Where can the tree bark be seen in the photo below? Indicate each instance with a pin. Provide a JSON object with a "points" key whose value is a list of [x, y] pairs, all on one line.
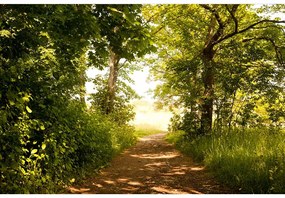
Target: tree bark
{"points": [[112, 80], [208, 96], [208, 78]]}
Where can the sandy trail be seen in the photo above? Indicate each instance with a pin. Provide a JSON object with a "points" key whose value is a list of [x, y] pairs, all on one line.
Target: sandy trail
{"points": [[152, 166]]}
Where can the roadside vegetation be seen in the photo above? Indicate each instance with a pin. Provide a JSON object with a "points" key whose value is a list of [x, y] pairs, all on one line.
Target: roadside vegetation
{"points": [[49, 138], [221, 69], [251, 160]]}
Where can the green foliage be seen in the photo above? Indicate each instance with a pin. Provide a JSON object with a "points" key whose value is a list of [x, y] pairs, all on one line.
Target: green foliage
{"points": [[74, 144], [124, 36], [122, 137], [249, 159], [204, 56], [124, 30], [47, 136], [122, 111]]}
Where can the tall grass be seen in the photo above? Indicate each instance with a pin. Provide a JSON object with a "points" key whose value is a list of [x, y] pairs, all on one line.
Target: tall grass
{"points": [[252, 160]]}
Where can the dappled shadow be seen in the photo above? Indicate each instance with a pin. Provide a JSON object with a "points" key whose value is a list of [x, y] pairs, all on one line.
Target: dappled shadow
{"points": [[151, 167]]}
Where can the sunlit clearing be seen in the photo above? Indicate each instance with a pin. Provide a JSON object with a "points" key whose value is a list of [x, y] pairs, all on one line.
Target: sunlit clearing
{"points": [[147, 117]]}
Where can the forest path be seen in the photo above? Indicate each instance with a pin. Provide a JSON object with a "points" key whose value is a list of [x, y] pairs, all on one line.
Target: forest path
{"points": [[152, 166]]}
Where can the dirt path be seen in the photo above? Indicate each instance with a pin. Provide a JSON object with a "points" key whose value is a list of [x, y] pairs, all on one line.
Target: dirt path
{"points": [[152, 166]]}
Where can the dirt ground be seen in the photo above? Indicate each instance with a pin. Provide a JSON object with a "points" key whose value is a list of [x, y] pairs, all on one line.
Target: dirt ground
{"points": [[152, 166]]}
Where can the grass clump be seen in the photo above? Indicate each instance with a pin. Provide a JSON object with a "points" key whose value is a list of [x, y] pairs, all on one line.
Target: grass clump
{"points": [[251, 159]]}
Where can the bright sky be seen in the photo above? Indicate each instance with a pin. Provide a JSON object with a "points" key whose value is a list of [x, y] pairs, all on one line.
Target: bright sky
{"points": [[146, 115], [141, 85], [91, 73]]}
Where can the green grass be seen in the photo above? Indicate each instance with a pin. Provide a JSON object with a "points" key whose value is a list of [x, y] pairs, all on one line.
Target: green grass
{"points": [[145, 130], [250, 159]]}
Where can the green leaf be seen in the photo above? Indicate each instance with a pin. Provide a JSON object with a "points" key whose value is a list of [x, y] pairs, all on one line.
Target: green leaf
{"points": [[22, 170], [42, 106], [44, 146], [26, 98], [28, 109], [42, 127], [34, 151], [11, 102], [5, 33], [114, 9]]}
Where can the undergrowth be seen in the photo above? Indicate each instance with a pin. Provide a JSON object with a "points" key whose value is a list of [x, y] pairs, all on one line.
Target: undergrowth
{"points": [[48, 158], [252, 160]]}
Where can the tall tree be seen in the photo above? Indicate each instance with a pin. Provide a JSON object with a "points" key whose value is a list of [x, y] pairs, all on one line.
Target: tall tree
{"points": [[217, 34], [126, 37], [200, 33]]}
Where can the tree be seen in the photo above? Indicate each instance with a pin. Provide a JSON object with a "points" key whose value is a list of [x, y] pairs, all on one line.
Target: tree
{"points": [[126, 37], [193, 37]]}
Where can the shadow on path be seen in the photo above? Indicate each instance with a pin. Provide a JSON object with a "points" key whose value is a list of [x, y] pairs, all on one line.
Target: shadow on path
{"points": [[152, 166]]}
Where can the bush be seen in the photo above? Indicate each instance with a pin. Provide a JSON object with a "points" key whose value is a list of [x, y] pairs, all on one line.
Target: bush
{"points": [[122, 137], [250, 159], [44, 157]]}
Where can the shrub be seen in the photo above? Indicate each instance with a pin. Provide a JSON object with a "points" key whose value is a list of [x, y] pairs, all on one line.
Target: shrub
{"points": [[45, 156]]}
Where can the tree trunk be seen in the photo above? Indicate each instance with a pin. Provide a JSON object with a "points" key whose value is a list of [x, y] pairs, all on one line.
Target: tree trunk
{"points": [[208, 78], [112, 80], [208, 96]]}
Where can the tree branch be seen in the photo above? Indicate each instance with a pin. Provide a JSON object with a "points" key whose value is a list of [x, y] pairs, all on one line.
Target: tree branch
{"points": [[217, 16], [211, 41], [246, 29], [123, 64], [232, 13]]}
